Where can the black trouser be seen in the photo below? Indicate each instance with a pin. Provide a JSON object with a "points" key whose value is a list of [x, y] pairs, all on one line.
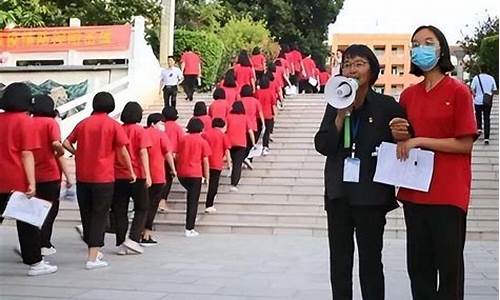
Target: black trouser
{"points": [[258, 76], [49, 191], [483, 111], [169, 178], [321, 89], [170, 95], [435, 239], [193, 188], [367, 223], [294, 78], [256, 135], [267, 132], [305, 86], [94, 200], [213, 186], [189, 84], [155, 191], [124, 190], [238, 155], [28, 235]]}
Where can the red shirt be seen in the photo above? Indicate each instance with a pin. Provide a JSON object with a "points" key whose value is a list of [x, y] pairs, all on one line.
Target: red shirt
{"points": [[258, 62], [323, 78], [446, 111], [289, 59], [192, 149], [219, 143], [267, 100], [16, 136], [46, 166], [160, 146], [174, 133], [309, 67], [219, 109], [296, 58], [98, 138], [237, 128], [284, 64], [252, 110], [244, 75], [279, 76], [206, 120], [232, 94], [191, 63], [138, 140]]}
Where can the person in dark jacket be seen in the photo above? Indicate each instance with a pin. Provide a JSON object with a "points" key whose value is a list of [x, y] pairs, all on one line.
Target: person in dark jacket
{"points": [[357, 205]]}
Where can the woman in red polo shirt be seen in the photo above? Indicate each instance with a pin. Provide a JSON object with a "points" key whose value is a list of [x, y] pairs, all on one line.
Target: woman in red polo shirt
{"points": [[244, 72], [267, 99], [440, 112], [323, 78], [219, 108], [238, 126], [200, 112], [100, 140], [253, 111], [230, 87], [192, 165], [258, 62]]}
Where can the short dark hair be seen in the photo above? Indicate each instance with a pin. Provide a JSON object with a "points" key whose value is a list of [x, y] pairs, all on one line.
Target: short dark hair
{"points": [[264, 82], [43, 106], [322, 68], [256, 51], [194, 125], [444, 63], [246, 91], [238, 108], [219, 94], [244, 60], [200, 109], [170, 113], [103, 102], [230, 79], [132, 113], [171, 56], [154, 118], [218, 123], [188, 48], [270, 75], [278, 62], [357, 50], [271, 67], [16, 97]]}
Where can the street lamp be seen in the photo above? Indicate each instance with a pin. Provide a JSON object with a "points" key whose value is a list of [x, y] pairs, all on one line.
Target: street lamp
{"points": [[167, 30]]}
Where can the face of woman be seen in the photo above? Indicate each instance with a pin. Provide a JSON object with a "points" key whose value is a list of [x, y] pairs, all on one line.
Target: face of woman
{"points": [[357, 67], [425, 50]]}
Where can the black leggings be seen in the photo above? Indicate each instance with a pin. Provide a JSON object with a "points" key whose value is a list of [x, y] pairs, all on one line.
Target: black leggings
{"points": [[483, 111], [193, 188], [155, 191], [238, 154], [189, 84], [267, 132], [169, 178], [49, 191], [213, 186]]}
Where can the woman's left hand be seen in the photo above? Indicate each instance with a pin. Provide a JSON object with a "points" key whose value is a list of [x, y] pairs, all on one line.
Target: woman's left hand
{"points": [[403, 148]]}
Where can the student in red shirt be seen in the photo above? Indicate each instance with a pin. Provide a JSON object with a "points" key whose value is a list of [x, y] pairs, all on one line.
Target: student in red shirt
{"points": [[200, 112], [219, 108], [100, 140], [275, 83], [192, 165], [138, 147], [230, 87], [238, 126], [17, 165], [323, 78], [220, 145], [308, 74], [295, 57], [244, 72], [267, 99], [253, 111], [160, 151], [258, 62], [281, 75], [191, 69], [440, 112]]}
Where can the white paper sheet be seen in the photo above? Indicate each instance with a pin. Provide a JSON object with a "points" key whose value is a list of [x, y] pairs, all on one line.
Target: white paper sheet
{"points": [[415, 173], [30, 210], [312, 81]]}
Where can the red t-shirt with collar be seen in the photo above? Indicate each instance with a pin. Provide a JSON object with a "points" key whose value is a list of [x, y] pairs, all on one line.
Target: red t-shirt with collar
{"points": [[174, 133], [97, 137], [244, 75], [279, 76], [284, 64], [296, 58], [219, 109], [192, 149], [258, 62], [237, 128], [446, 111], [46, 166], [219, 143], [323, 78], [252, 110], [267, 99], [232, 94], [138, 140], [309, 67], [16, 136], [191, 62], [160, 146]]}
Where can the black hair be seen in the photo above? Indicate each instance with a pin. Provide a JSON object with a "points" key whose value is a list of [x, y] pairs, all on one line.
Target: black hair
{"points": [[16, 97], [321, 68], [170, 113], [295, 46], [219, 94], [282, 53], [244, 60], [103, 102], [271, 67], [230, 78], [278, 63], [270, 75], [132, 113], [238, 108], [246, 91], [256, 51], [194, 125], [444, 63], [188, 48], [154, 118], [218, 123], [43, 106], [264, 82], [171, 56], [357, 50], [200, 109]]}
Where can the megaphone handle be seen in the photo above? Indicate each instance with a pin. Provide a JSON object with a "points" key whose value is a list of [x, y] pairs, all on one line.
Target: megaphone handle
{"points": [[347, 132]]}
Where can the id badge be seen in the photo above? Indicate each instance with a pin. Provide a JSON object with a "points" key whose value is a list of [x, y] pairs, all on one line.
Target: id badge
{"points": [[351, 169]]}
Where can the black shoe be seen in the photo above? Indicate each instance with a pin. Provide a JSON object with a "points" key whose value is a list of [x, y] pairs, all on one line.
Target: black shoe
{"points": [[486, 142], [149, 242]]}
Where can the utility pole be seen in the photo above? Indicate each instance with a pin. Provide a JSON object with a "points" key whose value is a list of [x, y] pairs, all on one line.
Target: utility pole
{"points": [[167, 30]]}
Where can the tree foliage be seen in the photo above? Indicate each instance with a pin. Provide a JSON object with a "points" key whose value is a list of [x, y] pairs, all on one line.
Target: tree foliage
{"points": [[488, 56]]}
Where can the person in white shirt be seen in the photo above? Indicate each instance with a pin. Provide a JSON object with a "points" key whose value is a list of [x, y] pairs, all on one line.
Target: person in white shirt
{"points": [[171, 77], [483, 84]]}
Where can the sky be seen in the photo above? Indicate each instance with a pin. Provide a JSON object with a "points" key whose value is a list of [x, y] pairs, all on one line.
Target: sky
{"points": [[404, 16]]}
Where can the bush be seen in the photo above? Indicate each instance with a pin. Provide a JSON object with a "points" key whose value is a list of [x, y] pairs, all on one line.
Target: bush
{"points": [[207, 45], [488, 56]]}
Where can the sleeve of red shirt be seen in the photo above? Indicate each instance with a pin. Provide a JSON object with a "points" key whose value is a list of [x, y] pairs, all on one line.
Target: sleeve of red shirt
{"points": [[121, 138], [29, 141], [464, 119], [165, 144], [227, 142], [73, 136], [54, 131], [206, 150]]}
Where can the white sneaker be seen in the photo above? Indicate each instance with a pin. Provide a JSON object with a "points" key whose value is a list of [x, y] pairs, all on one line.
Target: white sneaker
{"points": [[100, 255], [48, 251], [79, 229], [248, 163], [90, 265], [266, 151], [122, 250], [233, 189], [210, 210], [134, 246], [191, 233], [41, 268]]}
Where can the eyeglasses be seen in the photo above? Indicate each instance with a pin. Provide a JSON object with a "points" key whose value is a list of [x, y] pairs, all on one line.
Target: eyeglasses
{"points": [[356, 64], [426, 43]]}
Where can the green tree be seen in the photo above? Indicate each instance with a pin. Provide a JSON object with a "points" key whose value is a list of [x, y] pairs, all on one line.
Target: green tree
{"points": [[488, 56]]}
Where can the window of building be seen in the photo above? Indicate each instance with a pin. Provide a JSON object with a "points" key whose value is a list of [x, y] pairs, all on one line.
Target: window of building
{"points": [[51, 62], [342, 47], [397, 70], [97, 62], [396, 89], [382, 70], [379, 88], [397, 50], [379, 50]]}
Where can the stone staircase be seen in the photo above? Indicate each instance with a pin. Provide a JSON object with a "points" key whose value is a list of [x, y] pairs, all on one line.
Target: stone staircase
{"points": [[284, 192]]}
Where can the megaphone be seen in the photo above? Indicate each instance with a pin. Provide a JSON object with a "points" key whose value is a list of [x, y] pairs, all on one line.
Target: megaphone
{"points": [[340, 91]]}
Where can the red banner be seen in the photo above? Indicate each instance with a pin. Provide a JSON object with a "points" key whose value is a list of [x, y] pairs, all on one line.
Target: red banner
{"points": [[54, 39]]}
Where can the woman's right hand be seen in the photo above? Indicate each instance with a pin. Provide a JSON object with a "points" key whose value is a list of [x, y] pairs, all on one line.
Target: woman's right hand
{"points": [[341, 114], [399, 129]]}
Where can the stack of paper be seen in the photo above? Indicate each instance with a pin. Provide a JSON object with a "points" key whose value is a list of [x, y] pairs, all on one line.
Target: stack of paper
{"points": [[29, 210]]}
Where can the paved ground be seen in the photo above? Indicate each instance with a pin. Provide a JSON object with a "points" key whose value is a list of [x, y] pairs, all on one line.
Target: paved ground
{"points": [[217, 267]]}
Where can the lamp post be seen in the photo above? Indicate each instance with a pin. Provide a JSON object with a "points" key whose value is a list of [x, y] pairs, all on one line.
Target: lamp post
{"points": [[167, 30]]}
